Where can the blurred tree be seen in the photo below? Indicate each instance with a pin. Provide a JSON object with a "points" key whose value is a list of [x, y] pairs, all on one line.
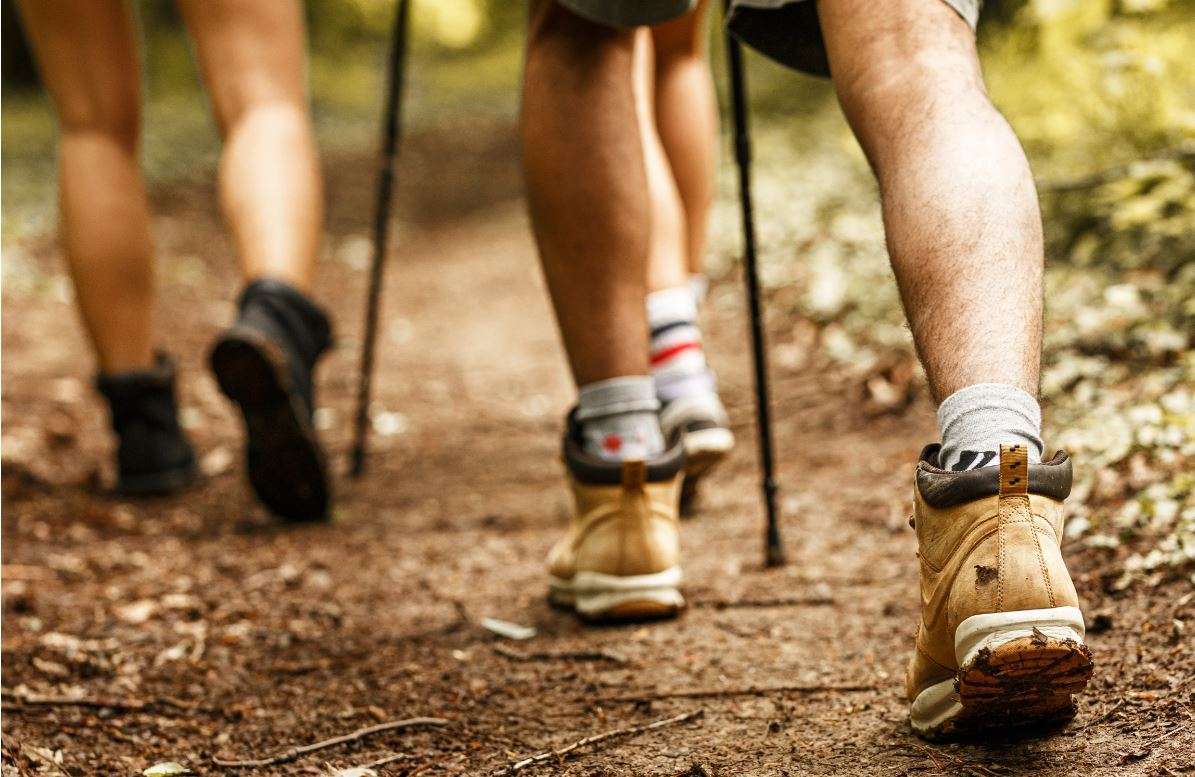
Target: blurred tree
{"points": [[17, 60]]}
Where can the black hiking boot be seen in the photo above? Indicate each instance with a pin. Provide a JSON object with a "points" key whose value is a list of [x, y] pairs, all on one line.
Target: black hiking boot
{"points": [[264, 362], [153, 456]]}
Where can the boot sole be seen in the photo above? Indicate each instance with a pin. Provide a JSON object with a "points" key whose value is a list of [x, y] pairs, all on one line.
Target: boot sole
{"points": [[599, 598], [285, 463], [704, 450], [1018, 670], [157, 483]]}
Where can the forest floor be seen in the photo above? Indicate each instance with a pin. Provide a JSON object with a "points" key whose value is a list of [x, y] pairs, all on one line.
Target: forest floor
{"points": [[196, 627]]}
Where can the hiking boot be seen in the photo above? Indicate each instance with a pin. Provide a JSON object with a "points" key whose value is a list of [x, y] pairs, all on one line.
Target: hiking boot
{"points": [[153, 456], [264, 363], [1000, 643], [620, 560], [703, 422]]}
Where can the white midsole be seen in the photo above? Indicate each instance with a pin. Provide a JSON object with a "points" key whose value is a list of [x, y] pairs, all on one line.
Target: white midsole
{"points": [[991, 630], [938, 703], [708, 441], [594, 592]]}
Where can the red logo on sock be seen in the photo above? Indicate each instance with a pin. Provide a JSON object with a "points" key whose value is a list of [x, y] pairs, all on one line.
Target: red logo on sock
{"points": [[612, 443], [659, 357]]}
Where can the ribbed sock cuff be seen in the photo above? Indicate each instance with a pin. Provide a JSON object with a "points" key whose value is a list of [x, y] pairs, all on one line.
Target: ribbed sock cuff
{"points": [[975, 420], [614, 396], [618, 419], [671, 306]]}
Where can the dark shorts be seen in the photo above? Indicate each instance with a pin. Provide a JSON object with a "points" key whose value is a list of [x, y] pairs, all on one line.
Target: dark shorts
{"points": [[784, 30]]}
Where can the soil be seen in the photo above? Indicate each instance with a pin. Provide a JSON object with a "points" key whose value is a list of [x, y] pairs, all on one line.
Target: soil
{"points": [[197, 627]]}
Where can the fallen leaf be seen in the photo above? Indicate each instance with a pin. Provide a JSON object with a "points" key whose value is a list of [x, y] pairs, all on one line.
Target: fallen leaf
{"points": [[138, 612], [508, 629]]}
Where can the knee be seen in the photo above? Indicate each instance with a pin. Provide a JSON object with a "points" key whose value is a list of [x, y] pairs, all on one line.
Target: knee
{"points": [[908, 82], [570, 41], [113, 116], [284, 120]]}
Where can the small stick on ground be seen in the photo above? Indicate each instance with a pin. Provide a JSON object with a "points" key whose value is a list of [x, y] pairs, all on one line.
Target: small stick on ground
{"points": [[784, 601], [295, 752], [562, 655], [393, 757], [22, 700], [547, 755], [732, 692]]}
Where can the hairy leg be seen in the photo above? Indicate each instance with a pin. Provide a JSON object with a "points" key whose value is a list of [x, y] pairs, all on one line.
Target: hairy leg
{"points": [[253, 61], [960, 210], [667, 265], [586, 188], [686, 120], [87, 53]]}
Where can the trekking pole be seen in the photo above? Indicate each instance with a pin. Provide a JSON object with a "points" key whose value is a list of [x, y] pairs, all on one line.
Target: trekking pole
{"points": [[773, 548], [391, 132]]}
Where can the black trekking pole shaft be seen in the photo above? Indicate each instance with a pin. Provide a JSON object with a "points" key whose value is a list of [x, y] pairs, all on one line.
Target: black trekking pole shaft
{"points": [[774, 549], [391, 134]]}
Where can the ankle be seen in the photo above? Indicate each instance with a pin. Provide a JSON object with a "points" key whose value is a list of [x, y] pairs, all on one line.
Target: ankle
{"points": [[975, 420], [678, 363], [618, 419]]}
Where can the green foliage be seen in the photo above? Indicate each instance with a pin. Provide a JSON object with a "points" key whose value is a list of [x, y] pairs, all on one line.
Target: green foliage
{"points": [[1091, 82]]}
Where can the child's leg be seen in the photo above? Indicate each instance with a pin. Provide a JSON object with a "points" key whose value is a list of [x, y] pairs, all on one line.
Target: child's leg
{"points": [[254, 64], [87, 54]]}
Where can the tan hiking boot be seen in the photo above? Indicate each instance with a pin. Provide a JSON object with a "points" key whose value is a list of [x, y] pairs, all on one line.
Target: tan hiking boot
{"points": [[621, 557], [1001, 637]]}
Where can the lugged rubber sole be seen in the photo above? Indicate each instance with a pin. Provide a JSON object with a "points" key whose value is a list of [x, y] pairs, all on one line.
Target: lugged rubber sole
{"points": [[600, 598], [285, 463], [1017, 670], [704, 449]]}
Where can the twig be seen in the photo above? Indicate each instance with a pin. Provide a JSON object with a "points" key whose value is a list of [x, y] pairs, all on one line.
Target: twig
{"points": [[563, 655], [783, 601], [387, 760], [969, 767], [383, 761], [34, 754], [1109, 713], [732, 692], [22, 700], [293, 753], [547, 755]]}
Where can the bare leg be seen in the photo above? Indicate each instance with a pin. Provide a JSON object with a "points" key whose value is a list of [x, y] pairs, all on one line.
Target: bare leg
{"points": [[960, 209], [87, 53], [686, 120], [587, 190], [667, 265], [678, 120], [253, 60]]}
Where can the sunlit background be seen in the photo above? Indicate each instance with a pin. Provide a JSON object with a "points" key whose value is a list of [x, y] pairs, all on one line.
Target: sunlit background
{"points": [[1101, 92]]}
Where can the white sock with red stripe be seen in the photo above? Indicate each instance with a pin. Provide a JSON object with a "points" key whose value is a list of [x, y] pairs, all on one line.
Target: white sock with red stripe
{"points": [[678, 363], [619, 420]]}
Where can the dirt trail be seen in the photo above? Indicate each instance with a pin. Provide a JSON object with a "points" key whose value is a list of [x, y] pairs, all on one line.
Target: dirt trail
{"points": [[242, 638]]}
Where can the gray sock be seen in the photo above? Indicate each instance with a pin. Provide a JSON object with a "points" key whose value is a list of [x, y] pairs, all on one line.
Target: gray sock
{"points": [[618, 418], [975, 420]]}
